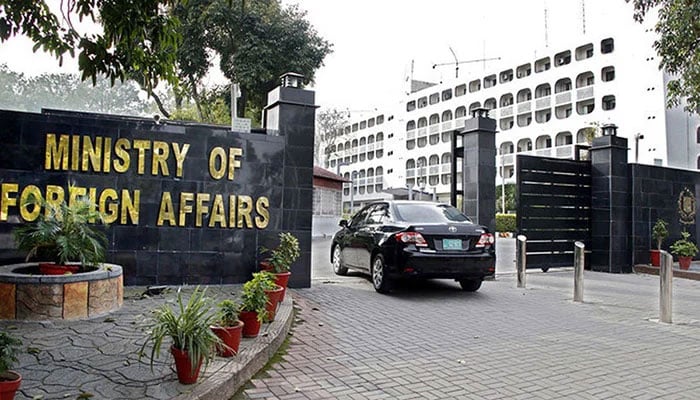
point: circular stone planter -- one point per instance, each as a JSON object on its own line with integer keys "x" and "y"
{"x": 27, "y": 296}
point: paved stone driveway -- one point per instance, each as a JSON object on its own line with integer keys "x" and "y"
{"x": 437, "y": 342}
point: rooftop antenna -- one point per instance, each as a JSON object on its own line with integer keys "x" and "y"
{"x": 456, "y": 62}
{"x": 583, "y": 15}
{"x": 546, "y": 26}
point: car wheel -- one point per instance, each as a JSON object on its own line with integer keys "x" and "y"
{"x": 337, "y": 264}
{"x": 379, "y": 279}
{"x": 470, "y": 285}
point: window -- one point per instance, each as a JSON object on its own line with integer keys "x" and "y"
{"x": 506, "y": 76}
{"x": 422, "y": 142}
{"x": 506, "y": 100}
{"x": 607, "y": 45}
{"x": 608, "y": 102}
{"x": 434, "y": 139}
{"x": 562, "y": 58}
{"x": 697, "y": 134}
{"x": 524, "y": 95}
{"x": 543, "y": 90}
{"x": 506, "y": 123}
{"x": 370, "y": 122}
{"x": 524, "y": 119}
{"x": 460, "y": 90}
{"x": 460, "y": 112}
{"x": 490, "y": 81}
{"x": 410, "y": 125}
{"x": 584, "y": 52}
{"x": 474, "y": 86}
{"x": 562, "y": 85}
{"x": 411, "y": 105}
{"x": 543, "y": 64}
{"x": 585, "y": 79}
{"x": 410, "y": 144}
{"x": 608, "y": 74}
{"x": 422, "y": 102}
{"x": 523, "y": 71}
{"x": 490, "y": 103}
{"x": 434, "y": 119}
{"x": 563, "y": 139}
{"x": 446, "y": 115}
{"x": 474, "y": 106}
{"x": 354, "y": 127}
{"x": 434, "y": 98}
{"x": 380, "y": 119}
{"x": 446, "y": 94}
{"x": 363, "y": 124}
{"x": 524, "y": 145}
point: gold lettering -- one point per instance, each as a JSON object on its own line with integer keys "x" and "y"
{"x": 130, "y": 207}
{"x": 75, "y": 153}
{"x": 233, "y": 162}
{"x": 56, "y": 156}
{"x": 92, "y": 154}
{"x": 167, "y": 211}
{"x": 92, "y": 195}
{"x": 232, "y": 211}
{"x": 109, "y": 205}
{"x": 185, "y": 207}
{"x": 245, "y": 208}
{"x": 261, "y": 207}
{"x": 29, "y": 199}
{"x": 107, "y": 158}
{"x": 54, "y": 197}
{"x": 120, "y": 152}
{"x": 218, "y": 212}
{"x": 202, "y": 208}
{"x": 161, "y": 151}
{"x": 74, "y": 192}
{"x": 217, "y": 156}
{"x": 180, "y": 156}
{"x": 7, "y": 200}
{"x": 141, "y": 146}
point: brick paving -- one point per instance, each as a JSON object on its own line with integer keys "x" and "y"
{"x": 437, "y": 342}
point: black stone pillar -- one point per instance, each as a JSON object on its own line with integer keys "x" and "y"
{"x": 479, "y": 168}
{"x": 610, "y": 228}
{"x": 291, "y": 113}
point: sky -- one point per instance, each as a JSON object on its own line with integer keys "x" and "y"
{"x": 375, "y": 42}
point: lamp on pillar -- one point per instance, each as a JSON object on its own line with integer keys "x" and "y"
{"x": 292, "y": 79}
{"x": 637, "y": 138}
{"x": 480, "y": 112}
{"x": 609, "y": 130}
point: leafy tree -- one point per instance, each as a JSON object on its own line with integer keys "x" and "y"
{"x": 678, "y": 46}
{"x": 256, "y": 42}
{"x": 138, "y": 37}
{"x": 509, "y": 189}
{"x": 329, "y": 122}
{"x": 66, "y": 91}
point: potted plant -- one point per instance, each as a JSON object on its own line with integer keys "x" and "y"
{"x": 281, "y": 259}
{"x": 659, "y": 232}
{"x": 66, "y": 234}
{"x": 188, "y": 328}
{"x": 9, "y": 380}
{"x": 685, "y": 249}
{"x": 254, "y": 303}
{"x": 228, "y": 329}
{"x": 273, "y": 291}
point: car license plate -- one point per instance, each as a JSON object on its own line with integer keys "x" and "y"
{"x": 452, "y": 244}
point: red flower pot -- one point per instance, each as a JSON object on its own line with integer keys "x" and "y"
{"x": 183, "y": 366}
{"x": 282, "y": 279}
{"x": 231, "y": 336}
{"x": 655, "y": 256}
{"x": 57, "y": 269}
{"x": 266, "y": 266}
{"x": 9, "y": 384}
{"x": 684, "y": 262}
{"x": 251, "y": 325}
{"x": 274, "y": 297}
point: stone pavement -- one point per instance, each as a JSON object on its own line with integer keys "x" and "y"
{"x": 436, "y": 342}
{"x": 98, "y": 358}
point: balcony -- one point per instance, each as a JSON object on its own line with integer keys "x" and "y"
{"x": 434, "y": 170}
{"x": 363, "y": 149}
{"x": 410, "y": 172}
{"x": 563, "y": 98}
{"x": 506, "y": 111}
{"x": 447, "y": 126}
{"x": 459, "y": 123}
{"x": 379, "y": 145}
{"x": 434, "y": 128}
{"x": 543, "y": 102}
{"x": 370, "y": 147}
{"x": 411, "y": 134}
{"x": 446, "y": 168}
{"x": 422, "y": 132}
{"x": 584, "y": 93}
{"x": 379, "y": 180}
{"x": 524, "y": 107}
{"x": 370, "y": 180}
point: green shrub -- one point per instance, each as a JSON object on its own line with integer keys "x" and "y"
{"x": 505, "y": 223}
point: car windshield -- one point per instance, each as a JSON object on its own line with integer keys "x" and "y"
{"x": 424, "y": 212}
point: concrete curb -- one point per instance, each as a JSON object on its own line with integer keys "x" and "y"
{"x": 677, "y": 273}
{"x": 225, "y": 376}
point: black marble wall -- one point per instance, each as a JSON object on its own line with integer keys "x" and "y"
{"x": 655, "y": 191}
{"x": 275, "y": 166}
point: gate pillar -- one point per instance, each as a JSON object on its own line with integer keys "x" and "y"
{"x": 610, "y": 235}
{"x": 479, "y": 168}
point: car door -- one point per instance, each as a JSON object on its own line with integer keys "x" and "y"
{"x": 368, "y": 236}
{"x": 350, "y": 245}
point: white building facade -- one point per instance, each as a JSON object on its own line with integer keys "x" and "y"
{"x": 545, "y": 105}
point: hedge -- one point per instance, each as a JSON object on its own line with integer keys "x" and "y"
{"x": 505, "y": 222}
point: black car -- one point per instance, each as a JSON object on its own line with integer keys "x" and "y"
{"x": 414, "y": 239}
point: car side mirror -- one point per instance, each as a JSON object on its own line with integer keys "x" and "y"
{"x": 343, "y": 223}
